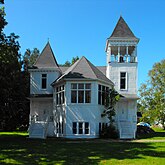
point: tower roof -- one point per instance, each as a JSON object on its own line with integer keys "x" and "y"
{"x": 46, "y": 58}
{"x": 122, "y": 30}
{"x": 84, "y": 69}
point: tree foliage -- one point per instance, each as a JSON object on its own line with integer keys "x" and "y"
{"x": 12, "y": 96}
{"x": 30, "y": 57}
{"x": 152, "y": 95}
{"x": 68, "y": 64}
{"x": 111, "y": 98}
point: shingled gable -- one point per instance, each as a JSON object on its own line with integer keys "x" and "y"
{"x": 46, "y": 58}
{"x": 122, "y": 30}
{"x": 84, "y": 69}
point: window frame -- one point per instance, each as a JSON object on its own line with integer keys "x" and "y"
{"x": 44, "y": 78}
{"x": 80, "y": 128}
{"x": 60, "y": 94}
{"x": 81, "y": 93}
{"x": 125, "y": 81}
{"x": 102, "y": 93}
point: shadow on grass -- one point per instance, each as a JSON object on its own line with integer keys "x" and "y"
{"x": 21, "y": 150}
{"x": 160, "y": 135}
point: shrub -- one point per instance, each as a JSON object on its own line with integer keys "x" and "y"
{"x": 109, "y": 132}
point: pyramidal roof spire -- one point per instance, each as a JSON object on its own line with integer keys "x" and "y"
{"x": 46, "y": 58}
{"x": 122, "y": 30}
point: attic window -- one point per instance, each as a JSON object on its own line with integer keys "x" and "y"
{"x": 44, "y": 81}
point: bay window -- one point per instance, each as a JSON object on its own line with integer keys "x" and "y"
{"x": 80, "y": 93}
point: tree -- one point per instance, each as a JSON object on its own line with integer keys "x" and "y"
{"x": 11, "y": 96}
{"x": 74, "y": 59}
{"x": 68, "y": 64}
{"x": 111, "y": 98}
{"x": 152, "y": 95}
{"x": 30, "y": 57}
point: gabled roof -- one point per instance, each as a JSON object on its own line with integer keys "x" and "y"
{"x": 84, "y": 69}
{"x": 122, "y": 30}
{"x": 46, "y": 58}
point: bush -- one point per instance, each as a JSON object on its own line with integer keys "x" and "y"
{"x": 143, "y": 131}
{"x": 109, "y": 132}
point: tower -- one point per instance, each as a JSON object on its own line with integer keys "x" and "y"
{"x": 122, "y": 63}
{"x": 121, "y": 50}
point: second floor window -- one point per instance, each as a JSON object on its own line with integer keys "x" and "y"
{"x": 44, "y": 81}
{"x": 60, "y": 95}
{"x": 123, "y": 80}
{"x": 103, "y": 92}
{"x": 80, "y": 93}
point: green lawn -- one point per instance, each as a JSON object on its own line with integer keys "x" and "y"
{"x": 159, "y": 134}
{"x": 16, "y": 148}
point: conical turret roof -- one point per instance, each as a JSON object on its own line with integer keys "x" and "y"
{"x": 46, "y": 58}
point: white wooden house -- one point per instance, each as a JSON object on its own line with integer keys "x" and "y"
{"x": 68, "y": 101}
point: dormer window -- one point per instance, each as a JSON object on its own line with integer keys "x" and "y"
{"x": 44, "y": 81}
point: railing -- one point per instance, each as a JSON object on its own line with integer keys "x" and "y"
{"x": 34, "y": 120}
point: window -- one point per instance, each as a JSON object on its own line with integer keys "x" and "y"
{"x": 86, "y": 128}
{"x": 123, "y": 80}
{"x": 80, "y": 128}
{"x": 102, "y": 94}
{"x": 60, "y": 96}
{"x": 44, "y": 81}
{"x": 102, "y": 126}
{"x": 59, "y": 127}
{"x": 81, "y": 93}
{"x": 74, "y": 128}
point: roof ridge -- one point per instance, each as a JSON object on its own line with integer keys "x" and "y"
{"x": 46, "y": 58}
{"x": 40, "y": 54}
{"x": 91, "y": 67}
{"x": 84, "y": 69}
{"x": 70, "y": 69}
{"x": 97, "y": 71}
{"x": 122, "y": 29}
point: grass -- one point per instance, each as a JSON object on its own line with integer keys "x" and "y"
{"x": 159, "y": 134}
{"x": 16, "y": 148}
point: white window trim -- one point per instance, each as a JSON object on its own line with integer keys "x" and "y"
{"x": 126, "y": 83}
{"x": 44, "y": 89}
{"x": 77, "y": 90}
{"x": 60, "y": 91}
{"x": 83, "y": 128}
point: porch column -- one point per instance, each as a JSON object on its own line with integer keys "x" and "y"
{"x": 127, "y": 54}
{"x": 135, "y": 54}
{"x": 118, "y": 53}
{"x": 109, "y": 55}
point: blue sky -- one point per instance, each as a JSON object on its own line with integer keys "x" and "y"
{"x": 81, "y": 27}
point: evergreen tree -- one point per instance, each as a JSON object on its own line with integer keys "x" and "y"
{"x": 68, "y": 64}
{"x": 30, "y": 57}
{"x": 12, "y": 95}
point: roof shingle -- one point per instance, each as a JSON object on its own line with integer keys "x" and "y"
{"x": 84, "y": 69}
{"x": 122, "y": 30}
{"x": 46, "y": 58}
